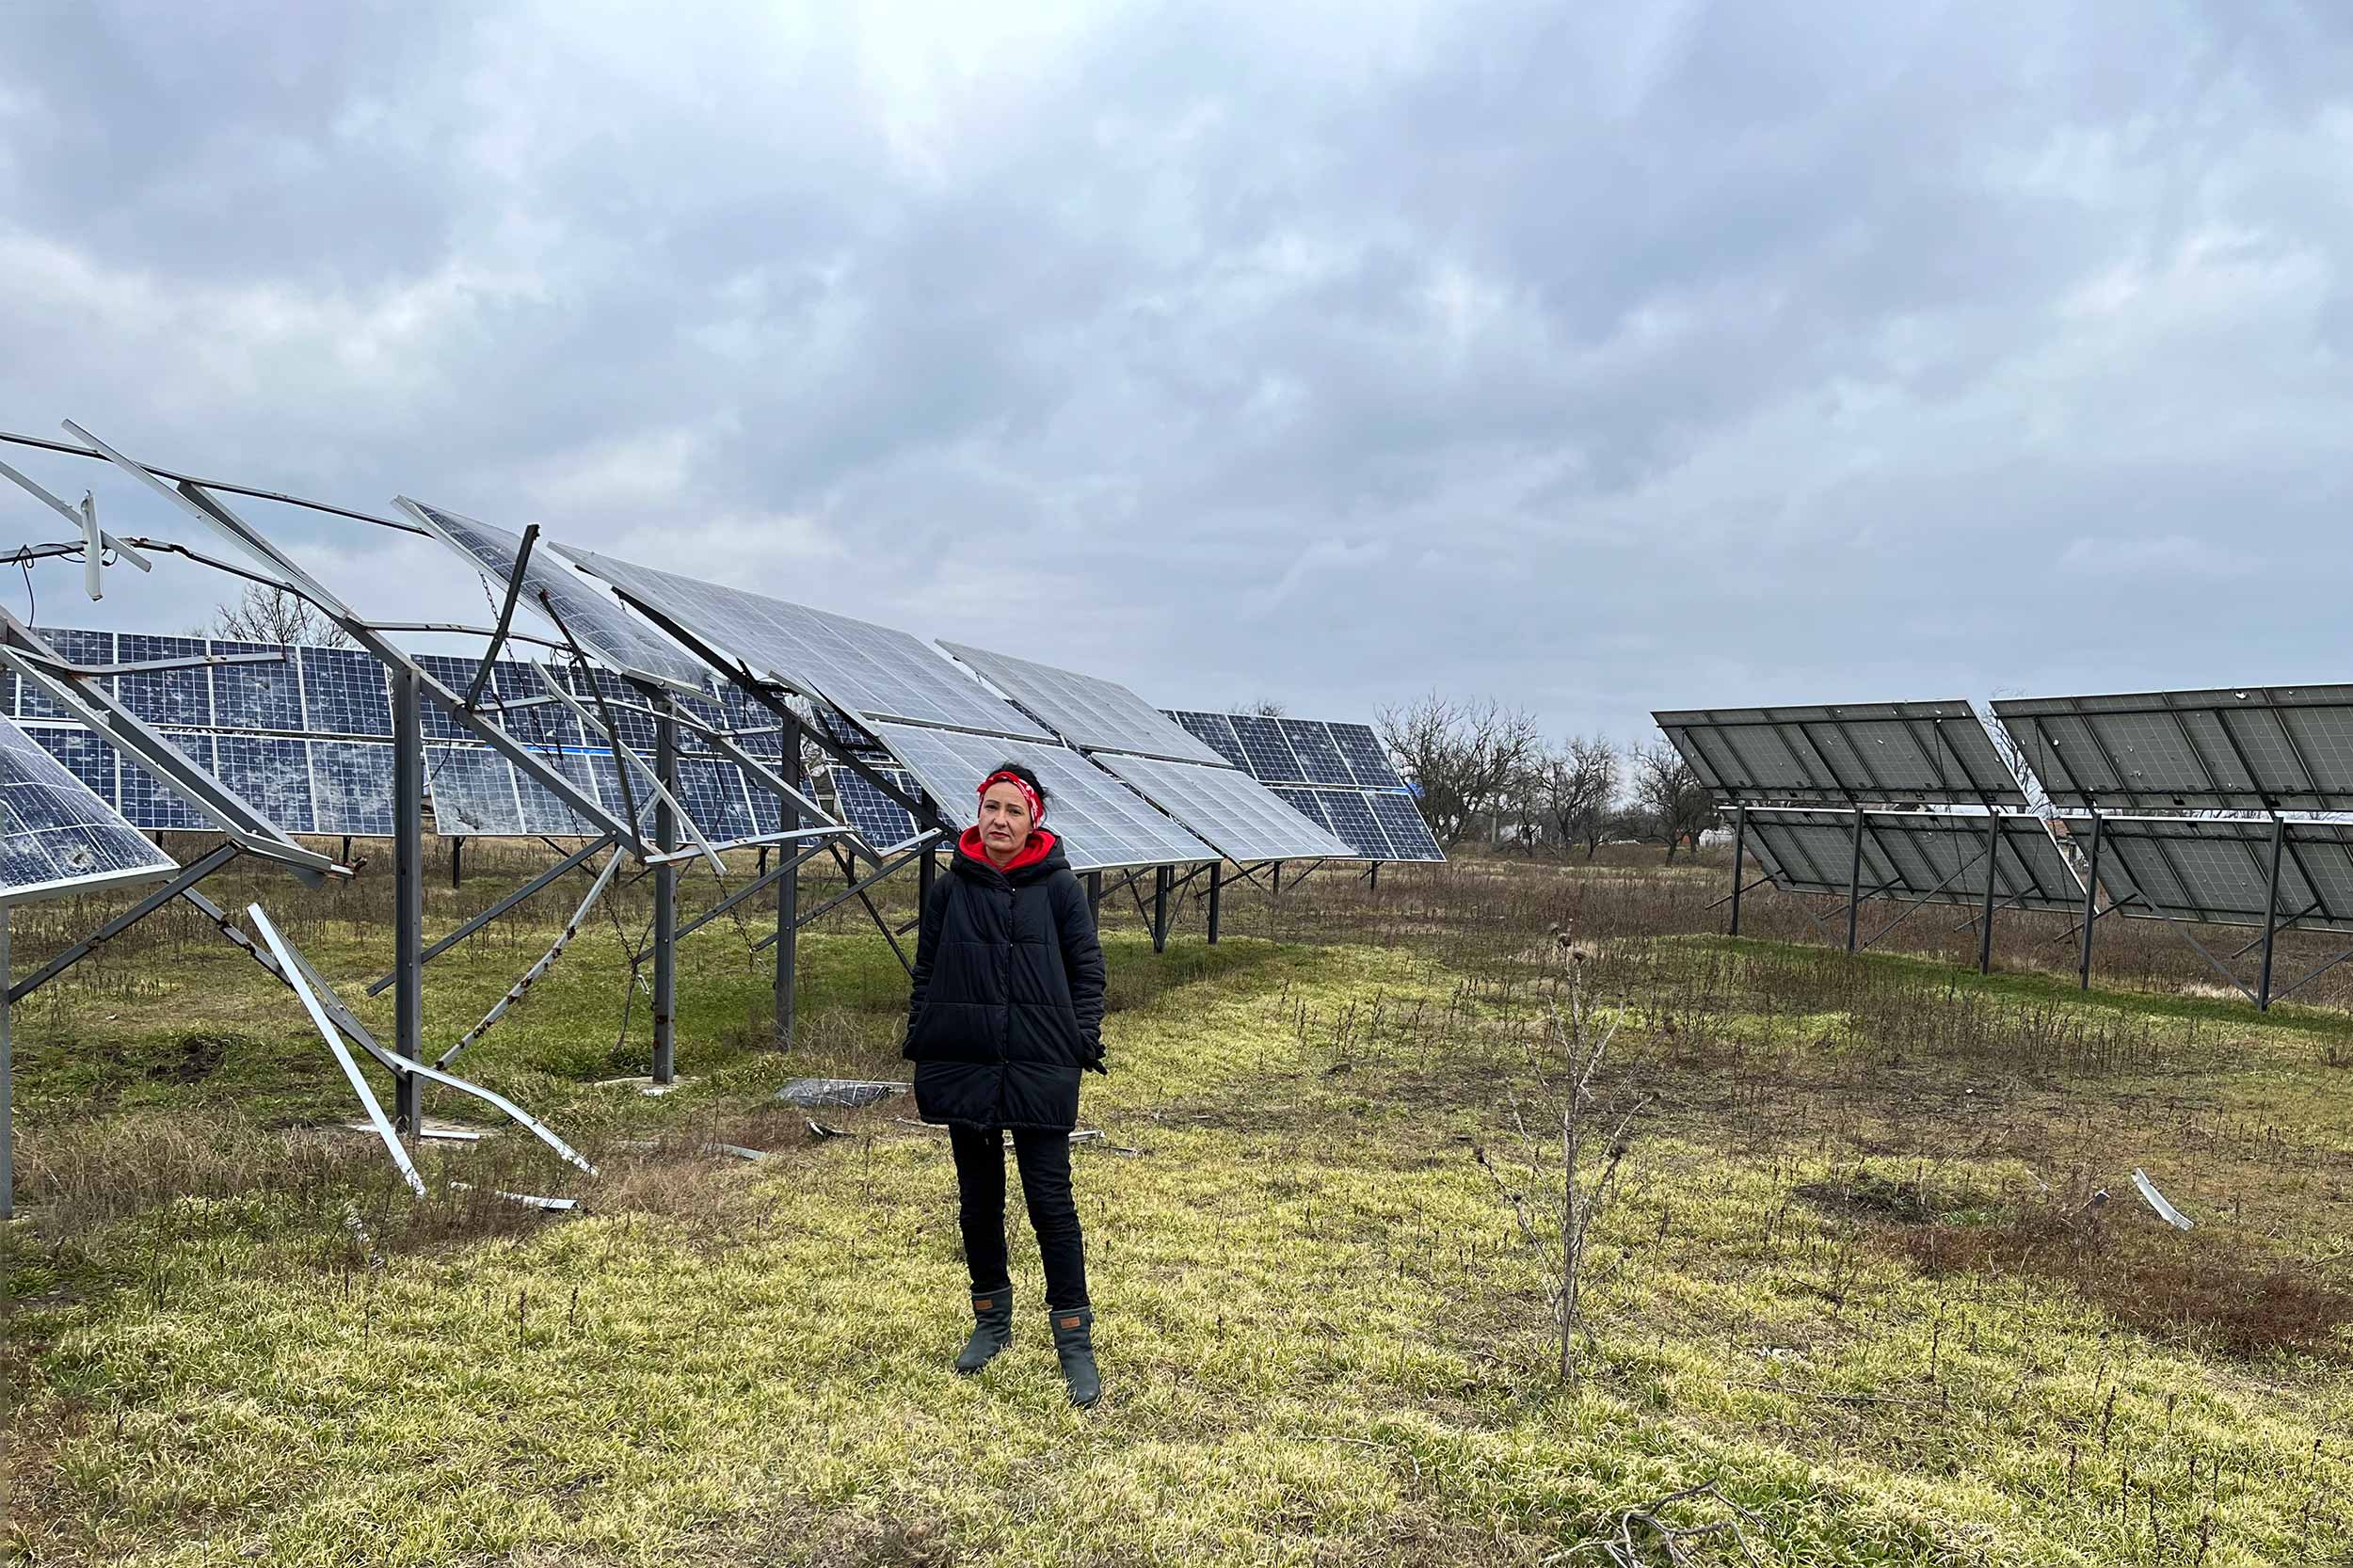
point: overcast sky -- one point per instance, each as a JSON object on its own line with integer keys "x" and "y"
{"x": 1595, "y": 357}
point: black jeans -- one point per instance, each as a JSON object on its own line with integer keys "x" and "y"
{"x": 1054, "y": 1213}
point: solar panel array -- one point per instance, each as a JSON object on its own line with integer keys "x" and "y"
{"x": 1102, "y": 824}
{"x": 305, "y": 740}
{"x": 56, "y": 834}
{"x": 2249, "y": 749}
{"x": 2219, "y": 869}
{"x": 881, "y": 821}
{"x": 874, "y": 672}
{"x": 1936, "y": 856}
{"x": 1855, "y": 753}
{"x": 1235, "y": 814}
{"x": 1336, "y": 776}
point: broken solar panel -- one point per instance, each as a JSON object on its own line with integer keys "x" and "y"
{"x": 1213, "y": 731}
{"x": 600, "y": 625}
{"x": 1089, "y": 713}
{"x": 1319, "y": 758}
{"x": 2252, "y": 748}
{"x": 874, "y": 672}
{"x": 180, "y": 700}
{"x": 1889, "y": 752}
{"x": 1351, "y": 820}
{"x": 55, "y": 836}
{"x": 1227, "y": 809}
{"x": 1309, "y": 762}
{"x": 2218, "y": 869}
{"x": 1933, "y": 857}
{"x": 343, "y": 693}
{"x": 75, "y": 648}
{"x": 1400, "y": 820}
{"x": 146, "y": 802}
{"x": 881, "y": 821}
{"x": 1102, "y": 822}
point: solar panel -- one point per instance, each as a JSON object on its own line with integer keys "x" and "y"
{"x": 1410, "y": 837}
{"x": 352, "y": 785}
{"x": 2251, "y": 749}
{"x": 879, "y": 820}
{"x": 1367, "y": 759}
{"x": 2219, "y": 869}
{"x": 180, "y": 698}
{"x": 1302, "y": 801}
{"x": 1214, "y": 730}
{"x": 89, "y": 760}
{"x": 874, "y": 672}
{"x": 343, "y": 693}
{"x": 544, "y": 812}
{"x": 473, "y": 789}
{"x": 1102, "y": 824}
{"x": 600, "y": 625}
{"x": 1929, "y": 855}
{"x": 530, "y": 714}
{"x": 1351, "y": 820}
{"x": 1227, "y": 809}
{"x": 55, "y": 836}
{"x": 624, "y": 708}
{"x": 1091, "y": 713}
{"x": 146, "y": 804}
{"x": 263, "y": 698}
{"x": 1892, "y": 752}
{"x": 1266, "y": 752}
{"x": 1312, "y": 743}
{"x": 713, "y": 793}
{"x": 273, "y": 774}
{"x": 75, "y": 648}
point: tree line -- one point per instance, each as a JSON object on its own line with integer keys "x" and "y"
{"x": 1481, "y": 769}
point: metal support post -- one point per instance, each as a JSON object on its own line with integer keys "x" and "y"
{"x": 8, "y": 1075}
{"x": 1739, "y": 858}
{"x": 1217, "y": 881}
{"x": 456, "y": 863}
{"x": 788, "y": 888}
{"x": 665, "y": 830}
{"x": 2091, "y": 902}
{"x": 1854, "y": 881}
{"x": 408, "y": 894}
{"x": 1095, "y": 897}
{"x": 1161, "y": 879}
{"x": 1985, "y": 922}
{"x": 926, "y": 873}
{"x": 2271, "y": 914}
{"x": 1372, "y": 879}
{"x": 1278, "y": 881}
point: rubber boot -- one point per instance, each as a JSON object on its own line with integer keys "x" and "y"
{"x": 992, "y": 1331}
{"x": 1074, "y": 1346}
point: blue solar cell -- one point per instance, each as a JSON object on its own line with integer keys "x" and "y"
{"x": 456, "y": 672}
{"x": 879, "y": 820}
{"x": 473, "y": 791}
{"x": 1352, "y": 818}
{"x": 545, "y": 722}
{"x": 146, "y": 802}
{"x": 1304, "y": 803}
{"x": 343, "y": 693}
{"x": 75, "y": 648}
{"x": 1215, "y": 732}
{"x": 84, "y": 754}
{"x": 273, "y": 774}
{"x": 713, "y": 793}
{"x": 1366, "y": 755}
{"x": 181, "y": 698}
{"x": 623, "y": 708}
{"x": 1409, "y": 837}
{"x": 265, "y": 697}
{"x": 1266, "y": 754}
{"x": 352, "y": 782}
{"x": 543, "y": 812}
{"x": 1311, "y": 743}
{"x": 605, "y": 770}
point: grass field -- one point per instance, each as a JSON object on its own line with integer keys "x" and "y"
{"x": 1858, "y": 1276}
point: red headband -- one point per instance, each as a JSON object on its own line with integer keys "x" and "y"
{"x": 1037, "y": 807}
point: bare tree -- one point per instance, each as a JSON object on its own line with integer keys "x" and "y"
{"x": 1578, "y": 786}
{"x": 1671, "y": 795}
{"x": 1262, "y": 708}
{"x": 1461, "y": 757}
{"x": 266, "y": 615}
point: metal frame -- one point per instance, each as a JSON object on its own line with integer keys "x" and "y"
{"x": 1709, "y": 740}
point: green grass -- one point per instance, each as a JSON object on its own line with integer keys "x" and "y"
{"x": 1323, "y": 1338}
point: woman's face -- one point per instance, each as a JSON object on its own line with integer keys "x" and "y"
{"x": 1004, "y": 820}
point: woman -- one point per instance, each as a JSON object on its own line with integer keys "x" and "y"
{"x": 1007, "y": 1008}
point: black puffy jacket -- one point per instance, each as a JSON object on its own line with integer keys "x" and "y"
{"x": 1008, "y": 998}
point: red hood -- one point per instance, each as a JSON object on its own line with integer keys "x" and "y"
{"x": 1041, "y": 844}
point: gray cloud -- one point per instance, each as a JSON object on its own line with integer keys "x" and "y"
{"x": 1596, "y": 357}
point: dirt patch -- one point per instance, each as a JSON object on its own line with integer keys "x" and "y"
{"x": 197, "y": 1057}
{"x": 2156, "y": 1279}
